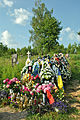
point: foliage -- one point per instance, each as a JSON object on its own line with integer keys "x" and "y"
{"x": 69, "y": 48}
{"x": 78, "y": 33}
{"x": 24, "y": 51}
{"x": 18, "y": 51}
{"x": 3, "y": 49}
{"x": 7, "y": 52}
{"x": 75, "y": 66}
{"x": 49, "y": 116}
{"x": 45, "y": 29}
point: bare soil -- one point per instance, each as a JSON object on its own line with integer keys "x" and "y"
{"x": 73, "y": 91}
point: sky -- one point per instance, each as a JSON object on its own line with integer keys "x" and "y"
{"x": 16, "y": 16}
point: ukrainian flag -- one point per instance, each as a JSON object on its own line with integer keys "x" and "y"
{"x": 60, "y": 82}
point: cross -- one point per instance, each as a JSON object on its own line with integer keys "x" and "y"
{"x": 28, "y": 53}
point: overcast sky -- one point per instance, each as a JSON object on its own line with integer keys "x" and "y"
{"x": 16, "y": 15}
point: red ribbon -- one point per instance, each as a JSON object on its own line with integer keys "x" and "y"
{"x": 50, "y": 97}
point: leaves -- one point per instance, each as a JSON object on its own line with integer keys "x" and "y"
{"x": 45, "y": 28}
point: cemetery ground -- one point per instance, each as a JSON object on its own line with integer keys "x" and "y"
{"x": 72, "y": 92}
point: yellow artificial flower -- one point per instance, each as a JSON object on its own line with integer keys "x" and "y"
{"x": 17, "y": 82}
{"x": 25, "y": 77}
{"x": 32, "y": 83}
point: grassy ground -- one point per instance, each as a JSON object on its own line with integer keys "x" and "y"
{"x": 72, "y": 89}
{"x": 6, "y": 69}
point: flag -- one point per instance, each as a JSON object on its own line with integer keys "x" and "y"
{"x": 60, "y": 82}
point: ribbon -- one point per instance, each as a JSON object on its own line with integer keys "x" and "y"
{"x": 60, "y": 82}
{"x": 50, "y": 97}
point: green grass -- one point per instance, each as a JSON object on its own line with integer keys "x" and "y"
{"x": 50, "y": 116}
{"x": 75, "y": 56}
{"x": 75, "y": 69}
{"x": 7, "y": 71}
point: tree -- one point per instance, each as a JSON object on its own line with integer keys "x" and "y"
{"x": 78, "y": 49}
{"x": 61, "y": 48}
{"x": 34, "y": 51}
{"x": 18, "y": 51}
{"x": 11, "y": 51}
{"x": 3, "y": 49}
{"x": 65, "y": 50}
{"x": 24, "y": 51}
{"x": 29, "y": 48}
{"x": 78, "y": 33}
{"x": 45, "y": 28}
{"x": 72, "y": 49}
{"x": 69, "y": 48}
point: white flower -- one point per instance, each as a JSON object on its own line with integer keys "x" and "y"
{"x": 21, "y": 98}
{"x": 45, "y": 81}
{"x": 11, "y": 91}
{"x": 18, "y": 93}
{"x": 23, "y": 105}
{"x": 56, "y": 110}
{"x": 23, "y": 87}
{"x": 4, "y": 86}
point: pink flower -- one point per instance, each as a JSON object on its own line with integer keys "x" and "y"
{"x": 25, "y": 88}
{"x": 7, "y": 79}
{"x": 23, "y": 91}
{"x": 38, "y": 91}
{"x": 14, "y": 79}
{"x": 50, "y": 84}
{"x": 36, "y": 85}
{"x": 9, "y": 82}
{"x": 53, "y": 86}
{"x": 31, "y": 93}
{"x": 7, "y": 86}
{"x": 43, "y": 87}
{"x": 4, "y": 81}
{"x": 45, "y": 90}
{"x": 29, "y": 90}
{"x": 48, "y": 88}
{"x": 39, "y": 87}
{"x": 17, "y": 79}
{"x": 32, "y": 77}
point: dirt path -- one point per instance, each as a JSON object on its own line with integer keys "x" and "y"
{"x": 73, "y": 93}
{"x": 7, "y": 113}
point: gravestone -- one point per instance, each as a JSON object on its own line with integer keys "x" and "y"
{"x": 14, "y": 59}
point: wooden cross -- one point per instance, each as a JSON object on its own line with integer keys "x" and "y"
{"x": 28, "y": 53}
